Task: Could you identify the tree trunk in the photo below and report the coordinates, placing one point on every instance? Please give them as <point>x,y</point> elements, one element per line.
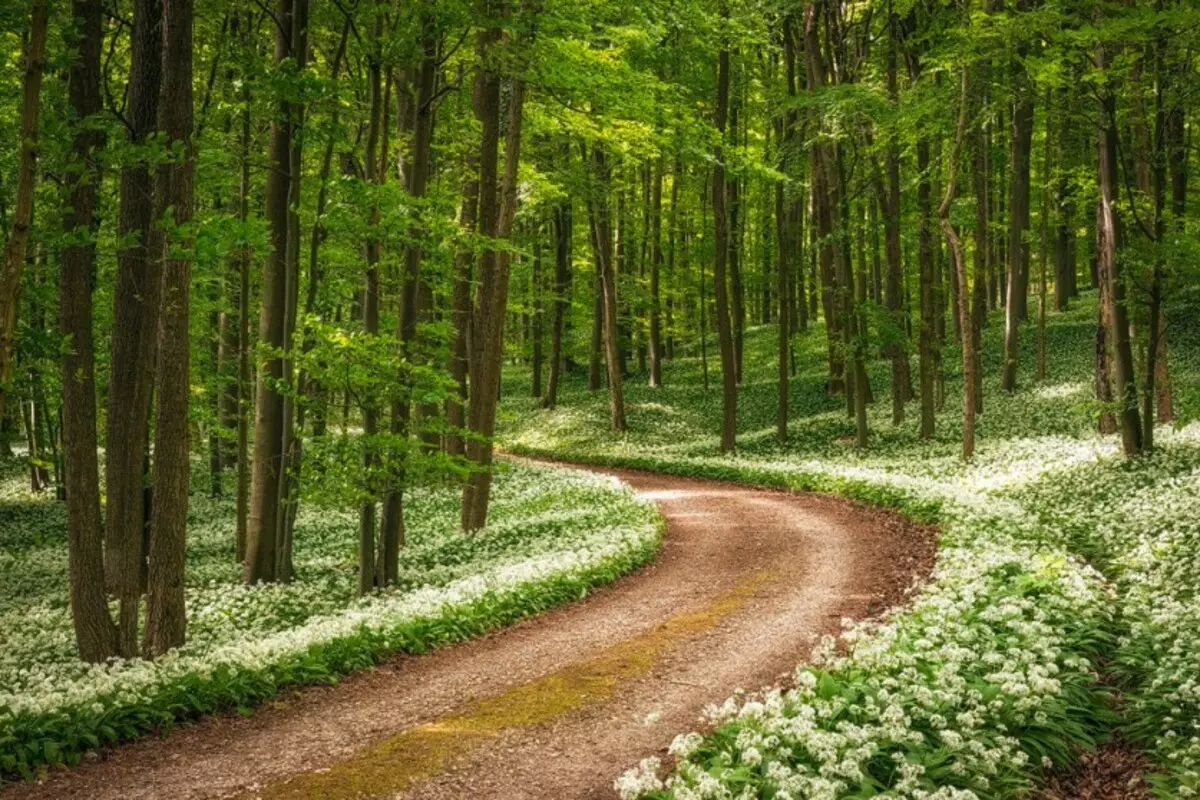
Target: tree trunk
<point>656,261</point>
<point>783,251</point>
<point>893,292</point>
<point>602,247</point>
<point>262,556</point>
<point>243,345</point>
<point>1043,254</point>
<point>416,298</point>
<point>22,219</point>
<point>1109,268</point>
<point>561,224</point>
<point>958,263</point>
<point>721,245</point>
<point>95,634</point>
<point>981,184</point>
<point>373,175</point>
<point>535,323</point>
<point>460,313</point>
<point>925,299</point>
<point>738,309</point>
<point>289,448</point>
<point>134,334</point>
<point>166,620</point>
<point>1017,289</point>
<point>496,216</point>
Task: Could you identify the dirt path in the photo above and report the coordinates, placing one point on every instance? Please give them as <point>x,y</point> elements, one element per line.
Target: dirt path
<point>559,705</point>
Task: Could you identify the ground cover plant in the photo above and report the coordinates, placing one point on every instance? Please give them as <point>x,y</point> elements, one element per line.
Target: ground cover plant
<point>557,533</point>
<point>1059,560</point>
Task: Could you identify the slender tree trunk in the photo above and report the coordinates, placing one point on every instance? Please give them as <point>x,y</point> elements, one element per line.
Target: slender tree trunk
<point>738,309</point>
<point>1045,243</point>
<point>925,256</point>
<point>1017,289</point>
<point>981,182</point>
<point>95,634</point>
<point>166,620</point>
<point>460,313</point>
<point>1177,157</point>
<point>894,285</point>
<point>721,243</point>
<point>496,219</point>
<point>373,175</point>
<point>783,245</point>
<point>1064,207</point>
<point>22,219</point>
<point>656,261</point>
<point>602,241</point>
<point>244,377</point>
<point>958,262</point>
<point>262,556</point>
<point>535,323</point>
<point>416,298</point>
<point>134,334</point>
<point>561,225</point>
<point>289,448</point>
<point>1109,267</point>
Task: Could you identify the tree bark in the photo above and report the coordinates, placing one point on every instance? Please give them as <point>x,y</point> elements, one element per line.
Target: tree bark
<point>262,547</point>
<point>893,291</point>
<point>561,224</point>
<point>925,295</point>
<point>95,634</point>
<point>496,216</point>
<point>958,262</point>
<point>1109,267</point>
<point>22,219</point>
<point>166,620</point>
<point>602,248</point>
<point>656,261</point>
<point>1017,289</point>
<point>373,175</point>
<point>243,345</point>
<point>134,333</point>
<point>721,245</point>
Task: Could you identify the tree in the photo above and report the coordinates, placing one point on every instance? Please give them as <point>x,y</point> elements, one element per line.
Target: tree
<point>95,634</point>
<point>166,621</point>
<point>262,547</point>
<point>18,237</point>
<point>135,331</point>
<point>958,262</point>
<point>721,245</point>
<point>496,212</point>
<point>1108,243</point>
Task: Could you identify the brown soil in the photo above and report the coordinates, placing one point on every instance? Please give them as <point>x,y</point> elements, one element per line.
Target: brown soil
<point>559,705</point>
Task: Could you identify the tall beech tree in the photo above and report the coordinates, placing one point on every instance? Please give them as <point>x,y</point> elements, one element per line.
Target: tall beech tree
<point>725,342</point>
<point>166,621</point>
<point>135,332</point>
<point>95,633</point>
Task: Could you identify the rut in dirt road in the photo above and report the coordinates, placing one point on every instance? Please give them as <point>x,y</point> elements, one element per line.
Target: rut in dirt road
<point>559,705</point>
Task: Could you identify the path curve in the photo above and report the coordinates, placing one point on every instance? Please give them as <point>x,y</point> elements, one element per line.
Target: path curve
<point>559,705</point>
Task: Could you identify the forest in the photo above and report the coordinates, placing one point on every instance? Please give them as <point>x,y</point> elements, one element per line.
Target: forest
<point>831,368</point>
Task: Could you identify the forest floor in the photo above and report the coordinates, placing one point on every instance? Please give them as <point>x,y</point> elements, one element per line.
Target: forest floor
<point>748,581</point>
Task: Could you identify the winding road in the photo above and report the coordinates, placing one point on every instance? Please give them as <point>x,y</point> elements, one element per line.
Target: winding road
<point>558,705</point>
